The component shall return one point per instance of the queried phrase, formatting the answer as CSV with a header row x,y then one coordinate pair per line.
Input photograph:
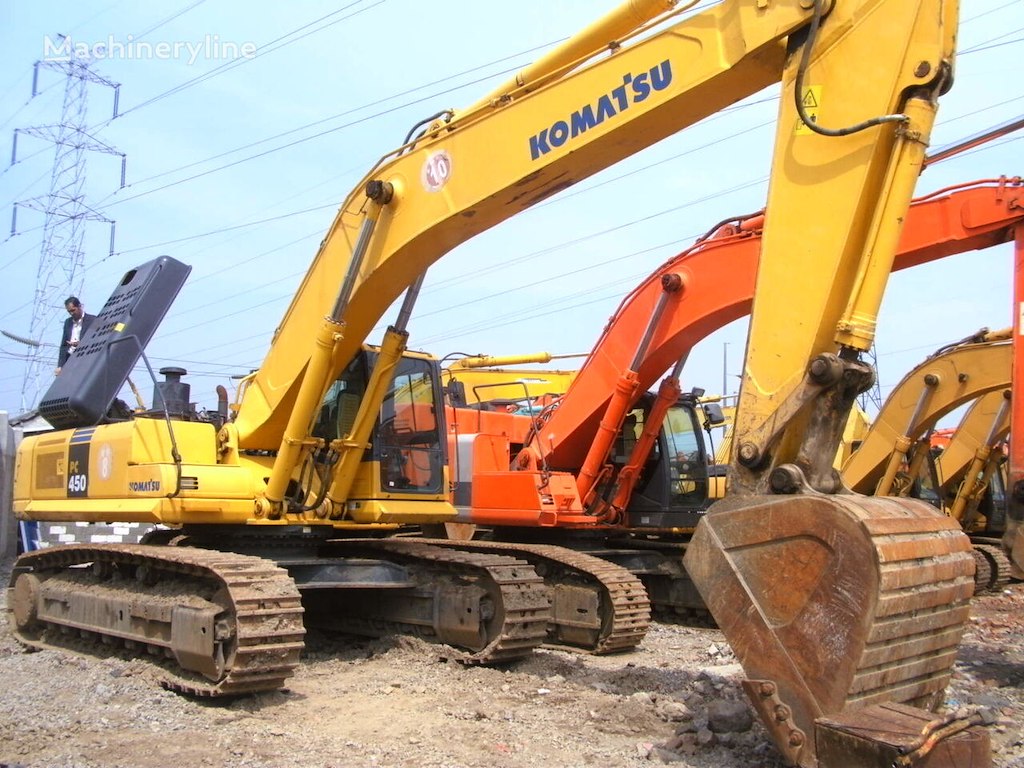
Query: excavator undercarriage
x,y
218,623
215,606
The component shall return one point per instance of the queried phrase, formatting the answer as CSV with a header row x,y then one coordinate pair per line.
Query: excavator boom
x,y
718,274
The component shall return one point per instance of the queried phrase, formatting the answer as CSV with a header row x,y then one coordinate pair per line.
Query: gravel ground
x,y
399,702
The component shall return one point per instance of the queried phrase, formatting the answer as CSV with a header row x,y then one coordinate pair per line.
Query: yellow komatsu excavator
x,y
839,607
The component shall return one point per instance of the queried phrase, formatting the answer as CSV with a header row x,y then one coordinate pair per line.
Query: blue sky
x,y
236,167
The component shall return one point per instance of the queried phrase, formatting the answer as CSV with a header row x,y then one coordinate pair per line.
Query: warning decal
x,y
811,101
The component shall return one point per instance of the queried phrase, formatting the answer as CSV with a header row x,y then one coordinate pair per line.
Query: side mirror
x,y
455,391
713,414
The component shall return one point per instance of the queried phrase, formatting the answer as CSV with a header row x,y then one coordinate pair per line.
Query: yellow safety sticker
x,y
118,327
811,99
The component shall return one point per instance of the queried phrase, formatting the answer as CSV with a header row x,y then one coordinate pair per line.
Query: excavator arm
x,y
795,354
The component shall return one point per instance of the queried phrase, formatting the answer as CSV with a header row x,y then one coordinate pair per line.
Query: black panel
x,y
91,378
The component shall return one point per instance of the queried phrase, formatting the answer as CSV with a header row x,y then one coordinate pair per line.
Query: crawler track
x,y
215,623
599,607
993,567
505,620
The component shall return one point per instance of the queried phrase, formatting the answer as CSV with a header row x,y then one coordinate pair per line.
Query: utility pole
x,y
61,259
725,369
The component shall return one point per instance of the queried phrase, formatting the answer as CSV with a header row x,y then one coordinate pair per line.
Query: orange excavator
x,y
644,474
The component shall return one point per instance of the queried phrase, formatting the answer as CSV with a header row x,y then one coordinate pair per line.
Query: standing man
x,y
75,327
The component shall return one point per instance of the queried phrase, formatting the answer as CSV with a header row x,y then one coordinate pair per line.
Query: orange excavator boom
x,y
717,286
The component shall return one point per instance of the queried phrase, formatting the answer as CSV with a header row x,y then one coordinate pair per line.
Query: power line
x,y
354,110
290,144
261,51
221,230
979,48
168,20
990,10
38,103
15,259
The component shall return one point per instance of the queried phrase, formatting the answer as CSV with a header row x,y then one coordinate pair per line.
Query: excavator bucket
x,y
834,603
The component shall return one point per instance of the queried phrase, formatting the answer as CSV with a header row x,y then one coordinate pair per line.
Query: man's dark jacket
x,y
65,352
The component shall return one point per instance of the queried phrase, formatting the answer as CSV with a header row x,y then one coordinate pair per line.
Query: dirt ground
x,y
399,702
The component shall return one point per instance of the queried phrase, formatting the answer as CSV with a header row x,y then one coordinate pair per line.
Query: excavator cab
x,y
673,489
407,452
